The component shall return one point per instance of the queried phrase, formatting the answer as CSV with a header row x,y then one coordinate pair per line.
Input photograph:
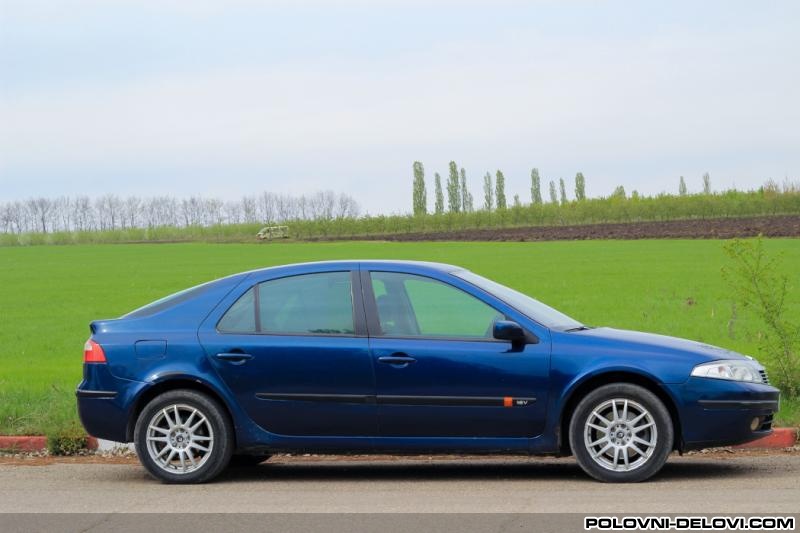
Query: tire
x,y
193,446
245,460
621,433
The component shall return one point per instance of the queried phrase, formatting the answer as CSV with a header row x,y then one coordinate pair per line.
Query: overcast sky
x,y
234,97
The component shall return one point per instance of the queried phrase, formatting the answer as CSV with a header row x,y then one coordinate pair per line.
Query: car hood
x,y
654,344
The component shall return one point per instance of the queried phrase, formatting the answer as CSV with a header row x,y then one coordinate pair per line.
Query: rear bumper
x,y
723,413
104,402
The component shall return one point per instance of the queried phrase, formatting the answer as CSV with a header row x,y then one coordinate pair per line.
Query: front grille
x,y
764,376
766,423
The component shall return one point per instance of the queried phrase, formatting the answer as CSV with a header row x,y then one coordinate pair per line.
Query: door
x,y
439,372
296,356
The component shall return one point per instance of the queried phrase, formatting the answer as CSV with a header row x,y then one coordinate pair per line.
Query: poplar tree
x,y
420,194
466,197
553,195
488,192
580,187
706,183
536,187
500,190
682,187
453,193
439,200
563,188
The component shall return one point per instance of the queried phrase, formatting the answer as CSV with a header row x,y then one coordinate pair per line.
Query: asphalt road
x,y
721,483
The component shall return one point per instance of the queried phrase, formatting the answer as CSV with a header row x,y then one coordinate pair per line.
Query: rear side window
x,y
313,304
241,317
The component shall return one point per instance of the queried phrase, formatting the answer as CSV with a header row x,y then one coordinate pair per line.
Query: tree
x,y
420,195
580,187
439,200
553,195
563,188
39,209
706,183
488,192
517,201
682,187
453,192
536,187
500,190
466,197
619,192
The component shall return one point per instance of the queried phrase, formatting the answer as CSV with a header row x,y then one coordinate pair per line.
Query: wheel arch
x,y
592,382
169,383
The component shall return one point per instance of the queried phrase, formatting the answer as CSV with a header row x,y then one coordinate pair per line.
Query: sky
x,y
237,97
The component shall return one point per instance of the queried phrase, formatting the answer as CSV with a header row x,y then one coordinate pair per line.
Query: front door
x,y
439,371
289,350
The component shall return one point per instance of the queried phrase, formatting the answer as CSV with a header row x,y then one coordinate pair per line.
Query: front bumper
x,y
717,412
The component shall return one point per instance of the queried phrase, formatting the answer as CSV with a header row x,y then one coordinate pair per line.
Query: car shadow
x,y
477,470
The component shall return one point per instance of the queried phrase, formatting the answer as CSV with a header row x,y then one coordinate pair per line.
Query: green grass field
x,y
48,296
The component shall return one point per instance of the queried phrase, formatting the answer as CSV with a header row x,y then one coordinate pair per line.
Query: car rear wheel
x,y
621,433
183,436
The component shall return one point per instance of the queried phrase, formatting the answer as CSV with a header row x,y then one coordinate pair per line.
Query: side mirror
x,y
508,330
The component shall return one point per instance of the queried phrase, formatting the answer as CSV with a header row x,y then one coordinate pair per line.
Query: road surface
x,y
717,483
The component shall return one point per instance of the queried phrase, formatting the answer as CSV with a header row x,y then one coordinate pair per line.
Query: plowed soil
x,y
717,228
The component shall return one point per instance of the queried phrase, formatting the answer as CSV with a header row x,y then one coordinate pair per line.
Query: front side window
x,y
320,304
416,306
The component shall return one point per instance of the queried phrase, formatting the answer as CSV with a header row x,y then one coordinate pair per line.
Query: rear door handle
x,y
234,357
397,359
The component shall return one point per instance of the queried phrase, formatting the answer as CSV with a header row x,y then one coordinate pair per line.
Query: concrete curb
x,y
31,443
34,443
780,438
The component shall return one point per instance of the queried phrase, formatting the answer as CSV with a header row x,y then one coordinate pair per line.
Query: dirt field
x,y
718,228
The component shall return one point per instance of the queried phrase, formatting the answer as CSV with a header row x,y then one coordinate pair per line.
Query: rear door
x,y
294,351
439,371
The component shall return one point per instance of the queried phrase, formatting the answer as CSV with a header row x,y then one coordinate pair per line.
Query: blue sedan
x,y
402,357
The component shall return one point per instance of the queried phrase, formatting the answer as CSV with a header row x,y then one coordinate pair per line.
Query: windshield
x,y
533,309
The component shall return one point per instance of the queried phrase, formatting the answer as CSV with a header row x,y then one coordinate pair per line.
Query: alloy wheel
x,y
620,435
180,438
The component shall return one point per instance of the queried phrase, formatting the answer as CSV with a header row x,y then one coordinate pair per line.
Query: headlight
x,y
735,370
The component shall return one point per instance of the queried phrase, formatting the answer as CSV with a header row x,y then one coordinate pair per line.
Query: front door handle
x,y
397,359
234,357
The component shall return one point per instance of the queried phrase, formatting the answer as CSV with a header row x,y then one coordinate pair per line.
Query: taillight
x,y
93,352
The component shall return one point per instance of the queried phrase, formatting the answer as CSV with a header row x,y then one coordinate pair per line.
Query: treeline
x,y
110,212
460,199
330,216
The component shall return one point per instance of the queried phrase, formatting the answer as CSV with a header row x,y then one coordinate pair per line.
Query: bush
x,y
754,278
69,443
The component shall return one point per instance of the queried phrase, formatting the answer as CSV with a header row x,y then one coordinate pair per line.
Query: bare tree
x,y
39,209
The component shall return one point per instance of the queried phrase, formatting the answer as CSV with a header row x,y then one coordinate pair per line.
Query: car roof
x,y
364,263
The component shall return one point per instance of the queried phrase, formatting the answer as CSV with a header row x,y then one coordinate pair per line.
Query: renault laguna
x,y
402,357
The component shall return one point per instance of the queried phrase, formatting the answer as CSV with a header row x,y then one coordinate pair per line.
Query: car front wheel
x,y
183,436
621,433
